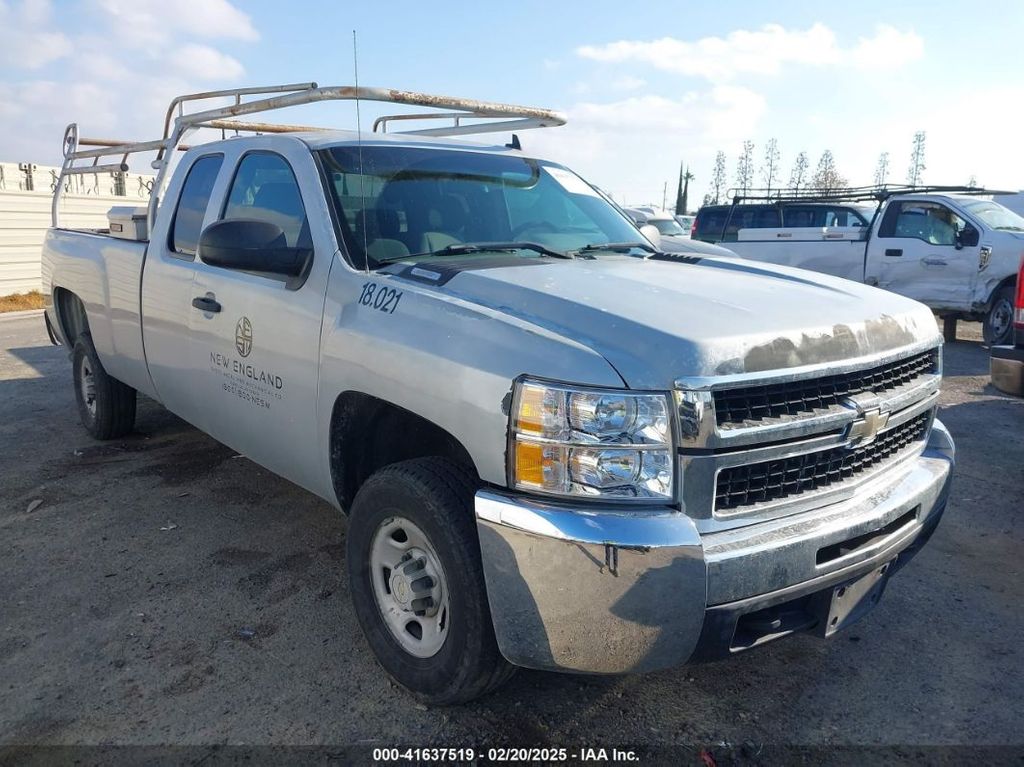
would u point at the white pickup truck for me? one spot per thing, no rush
(943, 246)
(556, 446)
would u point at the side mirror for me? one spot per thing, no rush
(967, 237)
(651, 233)
(251, 245)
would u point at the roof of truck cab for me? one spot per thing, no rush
(326, 139)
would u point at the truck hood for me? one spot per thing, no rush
(657, 321)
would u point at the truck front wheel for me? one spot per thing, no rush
(998, 326)
(417, 584)
(105, 405)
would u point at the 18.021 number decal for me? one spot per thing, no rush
(382, 299)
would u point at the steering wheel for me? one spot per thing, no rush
(537, 226)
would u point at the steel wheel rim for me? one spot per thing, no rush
(1002, 316)
(87, 385)
(409, 587)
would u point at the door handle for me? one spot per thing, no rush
(206, 304)
(894, 251)
(933, 261)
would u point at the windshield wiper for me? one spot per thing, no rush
(463, 248)
(614, 247)
(1010, 228)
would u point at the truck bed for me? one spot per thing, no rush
(105, 273)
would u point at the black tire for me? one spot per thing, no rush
(997, 329)
(436, 495)
(949, 328)
(107, 406)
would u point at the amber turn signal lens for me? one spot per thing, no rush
(530, 463)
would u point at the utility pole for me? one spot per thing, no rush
(684, 201)
(664, 195)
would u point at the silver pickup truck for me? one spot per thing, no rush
(556, 446)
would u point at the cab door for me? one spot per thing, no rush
(926, 251)
(256, 336)
(167, 283)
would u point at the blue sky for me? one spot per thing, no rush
(646, 86)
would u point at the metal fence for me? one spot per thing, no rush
(26, 191)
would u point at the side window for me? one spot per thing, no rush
(928, 221)
(192, 204)
(265, 189)
(752, 217)
(796, 217)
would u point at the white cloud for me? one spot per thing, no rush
(763, 51)
(27, 39)
(204, 63)
(130, 60)
(888, 49)
(627, 83)
(954, 149)
(153, 22)
(631, 146)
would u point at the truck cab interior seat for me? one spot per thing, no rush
(446, 223)
(378, 228)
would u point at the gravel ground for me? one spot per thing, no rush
(163, 590)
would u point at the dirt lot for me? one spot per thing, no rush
(161, 589)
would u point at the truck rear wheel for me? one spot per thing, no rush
(998, 326)
(105, 405)
(417, 584)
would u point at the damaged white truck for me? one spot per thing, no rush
(556, 446)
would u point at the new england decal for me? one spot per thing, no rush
(256, 386)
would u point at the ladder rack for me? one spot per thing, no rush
(849, 194)
(178, 124)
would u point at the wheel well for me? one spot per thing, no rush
(368, 433)
(1007, 282)
(70, 314)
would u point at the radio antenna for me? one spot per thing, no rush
(359, 145)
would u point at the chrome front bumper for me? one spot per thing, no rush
(613, 591)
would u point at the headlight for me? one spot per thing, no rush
(596, 443)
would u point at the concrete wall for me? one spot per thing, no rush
(25, 214)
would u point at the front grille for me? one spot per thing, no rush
(750, 405)
(756, 483)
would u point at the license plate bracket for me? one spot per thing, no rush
(848, 602)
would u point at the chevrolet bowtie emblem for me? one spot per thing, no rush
(864, 430)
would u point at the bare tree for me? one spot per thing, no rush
(770, 168)
(799, 174)
(882, 169)
(718, 179)
(826, 176)
(745, 168)
(917, 166)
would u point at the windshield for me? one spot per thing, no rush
(995, 215)
(667, 226)
(413, 201)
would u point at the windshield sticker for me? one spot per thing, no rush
(570, 182)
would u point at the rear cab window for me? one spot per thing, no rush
(192, 204)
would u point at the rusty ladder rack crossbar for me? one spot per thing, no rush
(501, 117)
